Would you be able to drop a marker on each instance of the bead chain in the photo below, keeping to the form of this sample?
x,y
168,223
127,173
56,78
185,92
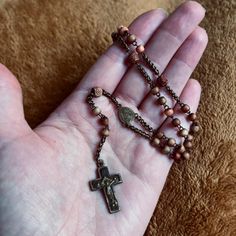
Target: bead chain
x,y
125,39
157,138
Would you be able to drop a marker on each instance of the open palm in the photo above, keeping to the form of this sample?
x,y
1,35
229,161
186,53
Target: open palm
x,y
44,173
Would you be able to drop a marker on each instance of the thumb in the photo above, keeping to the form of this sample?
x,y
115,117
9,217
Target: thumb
x,y
12,120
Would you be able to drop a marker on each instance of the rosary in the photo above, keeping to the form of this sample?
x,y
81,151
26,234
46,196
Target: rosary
x,y
127,117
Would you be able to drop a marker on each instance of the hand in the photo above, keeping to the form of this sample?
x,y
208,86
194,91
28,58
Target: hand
x,y
44,172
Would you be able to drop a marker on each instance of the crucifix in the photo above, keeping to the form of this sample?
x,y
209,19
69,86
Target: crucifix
x,y
105,182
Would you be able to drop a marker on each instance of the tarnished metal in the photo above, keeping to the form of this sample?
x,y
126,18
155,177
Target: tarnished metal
x,y
126,115
106,182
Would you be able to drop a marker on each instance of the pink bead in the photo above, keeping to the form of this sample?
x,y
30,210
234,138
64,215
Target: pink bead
x,y
123,30
140,49
119,27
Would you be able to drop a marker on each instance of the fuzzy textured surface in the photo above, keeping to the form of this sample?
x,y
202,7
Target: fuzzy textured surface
x,y
50,44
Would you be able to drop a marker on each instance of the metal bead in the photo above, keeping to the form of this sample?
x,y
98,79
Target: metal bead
x,y
105,121
131,38
122,30
140,49
156,141
175,122
195,128
155,90
181,149
169,112
97,91
188,144
105,132
177,156
166,150
171,142
190,137
183,132
119,27
192,116
159,134
185,108
96,111
186,155
162,100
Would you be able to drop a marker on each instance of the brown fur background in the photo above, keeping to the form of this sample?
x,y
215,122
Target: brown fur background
x,y
50,44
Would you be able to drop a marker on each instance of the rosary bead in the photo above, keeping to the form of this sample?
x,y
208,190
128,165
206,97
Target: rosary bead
x,y
134,57
155,90
176,122
96,111
194,128
185,108
171,142
183,132
162,81
177,156
192,116
181,149
166,150
190,137
162,100
156,141
169,112
97,91
186,155
119,27
105,132
122,29
140,49
131,38
188,144
105,121
159,134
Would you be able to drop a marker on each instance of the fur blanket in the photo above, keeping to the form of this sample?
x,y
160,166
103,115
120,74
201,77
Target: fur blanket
x,y
50,44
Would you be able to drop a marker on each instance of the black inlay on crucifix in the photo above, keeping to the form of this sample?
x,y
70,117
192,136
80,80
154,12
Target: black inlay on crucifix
x,y
106,182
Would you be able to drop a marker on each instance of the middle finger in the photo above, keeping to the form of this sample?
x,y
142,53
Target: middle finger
x,y
160,48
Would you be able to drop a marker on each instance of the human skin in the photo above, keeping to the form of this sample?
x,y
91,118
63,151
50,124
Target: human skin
x,y
44,173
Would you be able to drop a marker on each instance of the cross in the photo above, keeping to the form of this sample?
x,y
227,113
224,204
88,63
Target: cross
x,y
105,182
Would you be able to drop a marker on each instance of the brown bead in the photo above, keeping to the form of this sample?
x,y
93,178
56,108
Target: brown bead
x,y
181,149
169,112
159,134
119,27
176,122
161,100
162,81
185,108
166,150
190,137
134,57
96,111
156,141
131,38
177,156
105,121
188,144
122,30
171,142
195,128
192,116
183,132
140,49
186,155
155,90
97,91
105,132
